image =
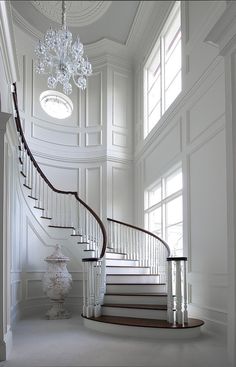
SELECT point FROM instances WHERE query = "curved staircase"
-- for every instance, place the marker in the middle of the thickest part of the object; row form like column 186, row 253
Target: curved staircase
column 131, row 285
column 135, row 302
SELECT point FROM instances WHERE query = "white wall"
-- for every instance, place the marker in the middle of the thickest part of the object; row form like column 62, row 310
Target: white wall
column 192, row 131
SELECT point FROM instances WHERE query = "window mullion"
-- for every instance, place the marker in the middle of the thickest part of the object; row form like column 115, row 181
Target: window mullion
column 162, row 62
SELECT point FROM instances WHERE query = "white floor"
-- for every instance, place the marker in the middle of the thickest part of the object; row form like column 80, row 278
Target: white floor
column 39, row 342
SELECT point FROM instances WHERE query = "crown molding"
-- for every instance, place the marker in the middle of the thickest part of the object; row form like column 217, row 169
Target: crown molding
column 139, row 24
column 98, row 52
column 7, row 41
column 223, row 33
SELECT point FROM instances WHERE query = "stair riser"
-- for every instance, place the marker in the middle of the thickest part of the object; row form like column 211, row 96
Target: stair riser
column 127, row 270
column 141, row 279
column 142, row 332
column 130, row 312
column 110, row 255
column 135, row 288
column 141, row 300
column 119, row 262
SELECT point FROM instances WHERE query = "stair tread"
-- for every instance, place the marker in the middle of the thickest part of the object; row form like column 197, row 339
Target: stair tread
column 32, row 197
column 118, row 253
column 139, row 306
column 151, row 323
column 137, row 294
column 65, row 227
column 133, row 275
column 108, row 283
column 111, row 258
column 127, row 266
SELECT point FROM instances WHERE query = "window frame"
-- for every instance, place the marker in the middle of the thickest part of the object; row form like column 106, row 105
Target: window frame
column 160, row 45
column 163, row 202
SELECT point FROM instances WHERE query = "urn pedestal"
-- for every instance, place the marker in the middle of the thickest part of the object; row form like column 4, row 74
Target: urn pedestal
column 57, row 282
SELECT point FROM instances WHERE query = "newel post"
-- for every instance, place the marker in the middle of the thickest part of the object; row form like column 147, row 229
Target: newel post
column 177, row 306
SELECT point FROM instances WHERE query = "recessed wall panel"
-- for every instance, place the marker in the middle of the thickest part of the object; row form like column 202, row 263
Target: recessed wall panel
column 122, row 193
column 54, row 136
column 93, row 99
column 207, row 109
column 62, row 178
column 120, row 100
column 93, row 188
column 208, row 226
column 93, row 139
column 119, row 140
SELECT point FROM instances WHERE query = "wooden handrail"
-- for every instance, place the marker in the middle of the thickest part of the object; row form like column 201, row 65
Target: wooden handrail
column 142, row 230
column 20, row 131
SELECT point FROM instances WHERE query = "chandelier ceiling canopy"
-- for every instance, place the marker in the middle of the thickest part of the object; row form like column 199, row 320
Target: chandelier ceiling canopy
column 62, row 60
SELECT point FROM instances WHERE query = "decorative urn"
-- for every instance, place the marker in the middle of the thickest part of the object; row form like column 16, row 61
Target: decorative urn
column 57, row 282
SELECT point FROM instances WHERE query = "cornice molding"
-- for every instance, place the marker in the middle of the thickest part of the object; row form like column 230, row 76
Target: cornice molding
column 7, row 41
column 223, row 34
column 98, row 52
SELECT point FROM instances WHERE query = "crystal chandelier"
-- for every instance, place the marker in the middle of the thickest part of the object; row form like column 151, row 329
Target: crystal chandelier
column 62, row 60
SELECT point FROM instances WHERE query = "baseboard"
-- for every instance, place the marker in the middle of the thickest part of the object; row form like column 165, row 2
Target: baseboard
column 215, row 320
column 6, row 346
column 31, row 309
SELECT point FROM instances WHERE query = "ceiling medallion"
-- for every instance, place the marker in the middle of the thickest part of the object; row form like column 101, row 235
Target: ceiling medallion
column 80, row 13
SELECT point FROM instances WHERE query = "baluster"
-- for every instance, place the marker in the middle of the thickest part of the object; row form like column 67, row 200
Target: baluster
column 155, row 256
column 132, row 242
column 89, row 230
column 115, row 235
column 53, row 208
column 45, row 213
column 27, row 179
column 185, row 292
column 90, row 311
column 23, row 161
column 84, row 288
column 170, row 312
column 127, row 249
column 97, row 308
column 39, row 191
column 178, row 293
column 31, row 175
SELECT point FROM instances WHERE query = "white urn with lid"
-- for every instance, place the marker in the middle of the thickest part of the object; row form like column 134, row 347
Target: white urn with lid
column 57, row 282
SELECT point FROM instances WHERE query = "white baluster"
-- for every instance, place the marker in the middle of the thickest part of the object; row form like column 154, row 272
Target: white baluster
column 178, row 293
column 170, row 312
column 97, row 308
column 185, row 294
column 84, row 288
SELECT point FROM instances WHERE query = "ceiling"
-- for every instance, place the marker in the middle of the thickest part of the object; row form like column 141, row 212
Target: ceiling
column 92, row 20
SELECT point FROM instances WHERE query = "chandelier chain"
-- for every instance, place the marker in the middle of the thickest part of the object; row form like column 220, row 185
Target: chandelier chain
column 63, row 17
column 62, row 60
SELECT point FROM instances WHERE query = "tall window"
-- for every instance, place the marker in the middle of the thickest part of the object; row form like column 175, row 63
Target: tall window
column 162, row 71
column 164, row 210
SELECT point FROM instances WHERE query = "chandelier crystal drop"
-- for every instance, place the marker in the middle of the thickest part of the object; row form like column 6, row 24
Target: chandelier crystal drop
column 62, row 60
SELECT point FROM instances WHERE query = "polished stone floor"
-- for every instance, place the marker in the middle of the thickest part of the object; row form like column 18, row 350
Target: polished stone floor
column 38, row 342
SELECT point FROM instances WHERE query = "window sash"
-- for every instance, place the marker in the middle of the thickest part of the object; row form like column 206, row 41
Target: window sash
column 159, row 71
